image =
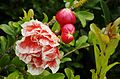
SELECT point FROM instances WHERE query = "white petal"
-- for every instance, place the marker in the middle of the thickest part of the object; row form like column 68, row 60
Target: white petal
column 34, row 70
column 55, row 68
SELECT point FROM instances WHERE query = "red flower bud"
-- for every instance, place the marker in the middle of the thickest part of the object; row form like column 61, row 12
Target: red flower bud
column 67, row 37
column 67, row 33
column 68, row 28
column 65, row 16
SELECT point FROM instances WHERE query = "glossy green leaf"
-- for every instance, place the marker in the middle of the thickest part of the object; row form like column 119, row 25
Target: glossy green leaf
column 77, row 77
column 3, row 43
column 106, row 11
column 45, row 18
column 7, row 29
column 81, row 40
column 55, row 76
column 56, row 27
column 15, row 75
column 63, row 60
column 4, row 60
column 45, row 73
column 81, row 18
column 69, row 73
column 87, row 15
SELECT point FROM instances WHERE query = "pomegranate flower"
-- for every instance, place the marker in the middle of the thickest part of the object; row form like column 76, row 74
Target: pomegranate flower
column 38, row 47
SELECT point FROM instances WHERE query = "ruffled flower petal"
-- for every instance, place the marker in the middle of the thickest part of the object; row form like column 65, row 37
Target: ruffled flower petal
column 26, row 45
column 38, row 47
column 54, row 65
column 35, row 70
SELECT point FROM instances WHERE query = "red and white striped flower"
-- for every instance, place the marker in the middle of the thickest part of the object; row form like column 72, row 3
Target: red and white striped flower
column 38, row 47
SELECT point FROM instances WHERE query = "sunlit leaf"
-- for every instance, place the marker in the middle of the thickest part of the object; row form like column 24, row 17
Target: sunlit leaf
column 87, row 15
column 69, row 73
column 56, row 27
column 96, row 31
column 77, row 77
column 15, row 75
column 109, row 67
column 30, row 13
column 81, row 18
column 45, row 18
column 94, row 75
column 81, row 40
column 63, row 60
column 117, row 22
column 54, row 76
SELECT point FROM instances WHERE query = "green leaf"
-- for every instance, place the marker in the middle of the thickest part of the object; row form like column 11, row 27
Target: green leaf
column 63, row 60
column 10, row 40
column 7, row 29
column 92, row 3
column 69, row 73
column 77, row 77
column 109, row 67
column 15, row 75
column 35, row 77
column 97, row 57
column 55, row 76
column 72, row 43
column 17, row 62
column 77, row 65
column 94, row 75
column 45, row 18
column 87, row 15
column 56, row 27
column 45, row 73
column 25, row 14
column 91, row 35
column 4, row 60
column 3, row 43
column 30, row 13
column 117, row 22
column 81, row 40
column 106, row 12
column 81, row 18
column 111, row 47
column 96, row 31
